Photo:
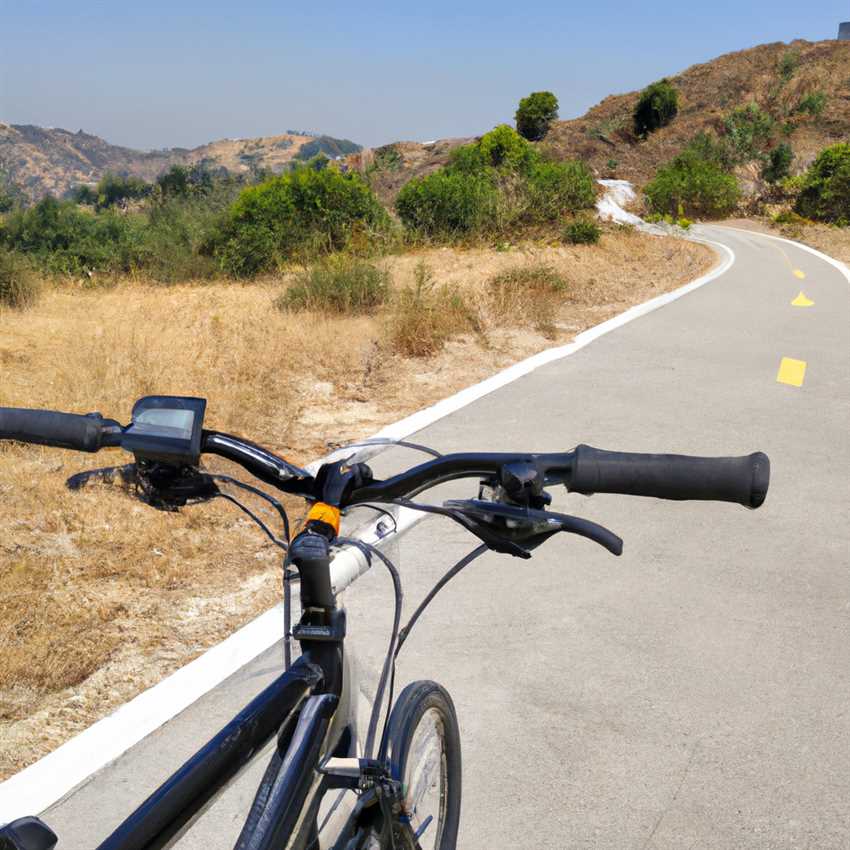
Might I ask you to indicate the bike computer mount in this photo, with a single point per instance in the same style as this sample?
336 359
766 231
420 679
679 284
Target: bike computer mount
166 429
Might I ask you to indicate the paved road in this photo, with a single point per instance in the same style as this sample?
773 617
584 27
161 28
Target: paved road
694 693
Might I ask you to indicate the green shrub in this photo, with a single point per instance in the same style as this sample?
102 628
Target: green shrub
657 107
582 231
302 213
749 130
340 284
63 239
535 113
694 186
505 149
494 184
173 238
778 164
555 188
112 190
825 194
711 149
812 104
788 65
447 203
18 286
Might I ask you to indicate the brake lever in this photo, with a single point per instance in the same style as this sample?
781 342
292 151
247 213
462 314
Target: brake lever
483 514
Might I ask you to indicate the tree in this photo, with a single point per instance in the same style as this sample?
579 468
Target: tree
535 113
826 187
657 107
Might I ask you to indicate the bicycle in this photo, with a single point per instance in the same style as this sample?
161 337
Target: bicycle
406 776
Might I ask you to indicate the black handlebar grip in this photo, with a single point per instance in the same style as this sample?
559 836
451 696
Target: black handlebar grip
743 480
49 428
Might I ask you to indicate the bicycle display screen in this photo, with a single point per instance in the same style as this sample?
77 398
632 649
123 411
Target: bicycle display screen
166 429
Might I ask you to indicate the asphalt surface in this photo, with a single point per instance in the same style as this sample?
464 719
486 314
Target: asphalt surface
694 693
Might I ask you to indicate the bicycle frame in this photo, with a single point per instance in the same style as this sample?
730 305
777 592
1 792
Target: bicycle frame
310 708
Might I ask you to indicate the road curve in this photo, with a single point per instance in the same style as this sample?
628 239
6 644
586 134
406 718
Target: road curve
693 693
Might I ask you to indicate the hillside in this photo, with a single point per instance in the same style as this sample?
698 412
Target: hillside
604 138
41 161
707 93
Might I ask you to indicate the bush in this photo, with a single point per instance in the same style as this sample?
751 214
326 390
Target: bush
505 149
657 107
825 195
535 113
425 316
447 203
582 231
694 186
18 286
112 190
749 130
788 64
710 148
498 182
302 213
338 285
778 165
812 104
555 188
64 239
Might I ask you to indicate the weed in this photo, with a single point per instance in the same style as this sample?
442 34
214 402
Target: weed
340 284
529 294
581 231
18 286
425 316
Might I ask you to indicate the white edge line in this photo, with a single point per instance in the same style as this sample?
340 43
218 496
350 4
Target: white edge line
825 257
37 787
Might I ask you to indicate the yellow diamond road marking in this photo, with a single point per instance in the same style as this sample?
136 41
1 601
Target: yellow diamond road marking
791 372
799 274
802 301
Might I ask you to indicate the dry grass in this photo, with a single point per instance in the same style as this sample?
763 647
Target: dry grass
101 596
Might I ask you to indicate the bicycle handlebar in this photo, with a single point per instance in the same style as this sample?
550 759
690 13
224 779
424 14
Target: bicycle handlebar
51 428
743 480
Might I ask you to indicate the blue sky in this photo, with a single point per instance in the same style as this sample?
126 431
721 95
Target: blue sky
182 73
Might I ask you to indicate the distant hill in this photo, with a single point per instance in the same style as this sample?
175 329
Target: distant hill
604 136
39 160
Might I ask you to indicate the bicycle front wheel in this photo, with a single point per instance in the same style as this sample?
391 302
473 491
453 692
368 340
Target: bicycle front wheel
423 747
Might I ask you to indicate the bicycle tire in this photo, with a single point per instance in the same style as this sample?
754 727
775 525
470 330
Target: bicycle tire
424 716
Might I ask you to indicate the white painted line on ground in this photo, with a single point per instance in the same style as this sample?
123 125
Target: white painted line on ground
38 786
825 257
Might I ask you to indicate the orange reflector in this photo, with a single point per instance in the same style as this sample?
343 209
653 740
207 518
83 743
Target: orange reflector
327 514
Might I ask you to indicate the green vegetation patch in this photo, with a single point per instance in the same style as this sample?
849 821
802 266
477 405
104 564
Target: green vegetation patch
535 114
582 231
825 193
18 286
693 185
657 106
302 213
340 284
495 184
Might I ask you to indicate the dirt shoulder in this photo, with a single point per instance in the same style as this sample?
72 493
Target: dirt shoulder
101 596
834 241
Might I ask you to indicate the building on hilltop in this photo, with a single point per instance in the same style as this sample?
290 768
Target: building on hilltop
844 31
